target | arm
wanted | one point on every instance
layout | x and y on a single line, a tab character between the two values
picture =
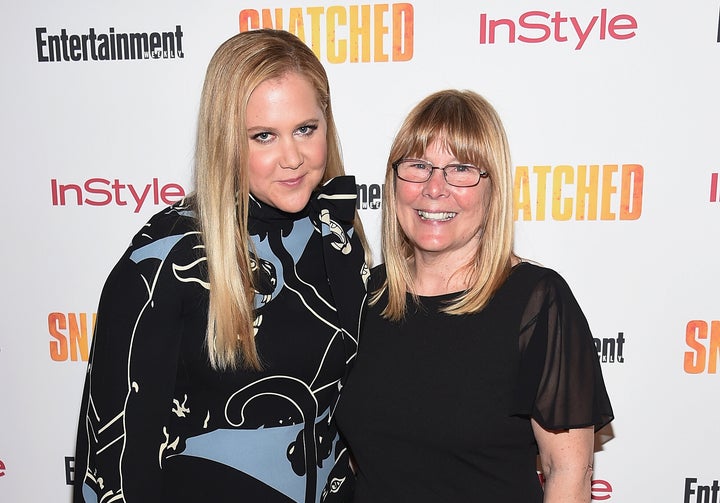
566	457
130	381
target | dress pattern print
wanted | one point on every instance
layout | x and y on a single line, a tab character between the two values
159	424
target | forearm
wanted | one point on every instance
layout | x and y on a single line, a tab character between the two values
568	484
567	458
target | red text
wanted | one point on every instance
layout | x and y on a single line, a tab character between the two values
601	490
102	192
538	26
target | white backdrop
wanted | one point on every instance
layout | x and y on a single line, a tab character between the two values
626	86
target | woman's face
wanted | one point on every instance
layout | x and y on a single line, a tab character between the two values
441	221
287	142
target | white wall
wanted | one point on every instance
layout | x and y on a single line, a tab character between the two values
635	92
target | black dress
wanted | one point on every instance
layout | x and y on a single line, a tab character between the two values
438	407
159	424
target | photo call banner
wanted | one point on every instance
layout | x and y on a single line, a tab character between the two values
611	109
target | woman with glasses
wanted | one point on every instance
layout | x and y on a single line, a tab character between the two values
471	361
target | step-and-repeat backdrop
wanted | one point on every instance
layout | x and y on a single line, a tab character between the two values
612	112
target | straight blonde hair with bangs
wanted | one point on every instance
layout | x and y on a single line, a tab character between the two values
222	187
470	128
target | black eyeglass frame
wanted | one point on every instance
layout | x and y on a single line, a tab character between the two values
482	173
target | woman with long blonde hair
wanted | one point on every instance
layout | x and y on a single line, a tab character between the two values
224	332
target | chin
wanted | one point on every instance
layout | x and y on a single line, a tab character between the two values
292	204
291	209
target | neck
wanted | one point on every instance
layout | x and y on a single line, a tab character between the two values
437	277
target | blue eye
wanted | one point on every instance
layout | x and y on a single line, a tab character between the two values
307	129
263	137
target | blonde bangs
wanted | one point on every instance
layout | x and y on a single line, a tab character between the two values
469	127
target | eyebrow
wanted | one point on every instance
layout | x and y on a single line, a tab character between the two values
310	121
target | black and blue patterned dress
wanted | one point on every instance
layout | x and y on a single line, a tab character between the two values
159	424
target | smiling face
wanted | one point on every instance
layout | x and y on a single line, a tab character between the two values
287	142
442	222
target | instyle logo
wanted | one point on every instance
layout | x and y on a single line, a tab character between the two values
584	192
714	188
703	339
369	196
698	493
536	26
610	349
103	192
600	490
368	33
70	335
110	46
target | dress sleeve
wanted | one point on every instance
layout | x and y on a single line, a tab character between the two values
560	382
340	484
343	254
127	397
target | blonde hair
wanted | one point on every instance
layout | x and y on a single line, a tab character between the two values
222	188
470	128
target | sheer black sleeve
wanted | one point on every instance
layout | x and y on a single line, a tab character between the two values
560	382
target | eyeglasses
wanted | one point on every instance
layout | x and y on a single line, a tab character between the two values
456	174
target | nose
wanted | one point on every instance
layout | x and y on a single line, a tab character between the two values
436	186
291	157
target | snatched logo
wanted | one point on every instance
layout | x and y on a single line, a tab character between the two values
583	192
368	33
703	339
70	334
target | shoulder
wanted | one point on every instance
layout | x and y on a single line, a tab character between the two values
378	274
166	229
545	291
176	219
540	285
535	276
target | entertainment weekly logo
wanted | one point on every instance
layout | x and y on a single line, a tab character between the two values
367	33
701	493
536	26
703	340
97	45
69	463
105	192
610	349
369	196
